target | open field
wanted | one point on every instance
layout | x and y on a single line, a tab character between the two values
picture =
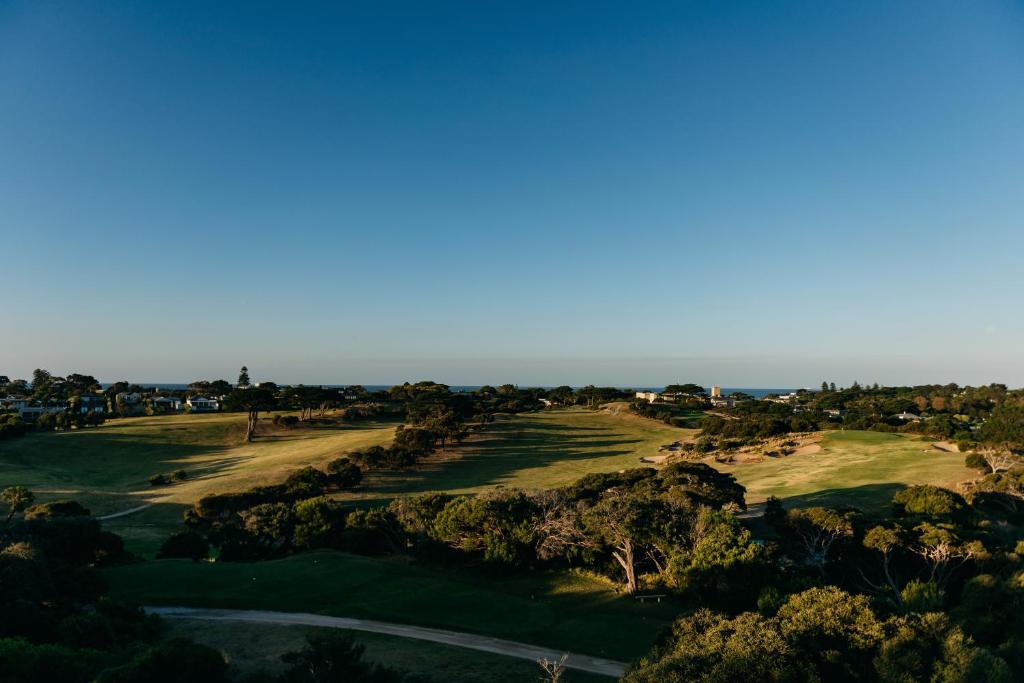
559	610
107	468
862	469
255	647
533	450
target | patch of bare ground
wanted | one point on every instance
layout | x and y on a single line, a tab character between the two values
803	443
946	447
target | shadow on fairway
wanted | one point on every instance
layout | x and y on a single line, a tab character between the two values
503	449
871	499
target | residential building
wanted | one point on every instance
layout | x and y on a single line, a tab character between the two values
201	404
167	404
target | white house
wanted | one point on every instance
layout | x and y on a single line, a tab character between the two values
201	404
908	417
649	396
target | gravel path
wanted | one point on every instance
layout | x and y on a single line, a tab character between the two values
471	641
124	513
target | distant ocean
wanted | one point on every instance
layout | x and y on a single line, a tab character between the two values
755	392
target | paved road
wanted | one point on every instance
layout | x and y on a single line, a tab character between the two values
471	641
124	513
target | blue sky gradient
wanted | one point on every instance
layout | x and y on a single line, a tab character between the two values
744	193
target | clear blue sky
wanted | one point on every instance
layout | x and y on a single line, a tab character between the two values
745	193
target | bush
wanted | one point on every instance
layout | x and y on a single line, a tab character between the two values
344	473
24	662
158	480
922	596
184	544
171	662
179	475
929	501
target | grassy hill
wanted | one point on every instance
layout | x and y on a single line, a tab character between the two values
108	468
556	609
534	450
863	469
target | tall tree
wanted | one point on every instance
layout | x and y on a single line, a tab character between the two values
243	377
251	401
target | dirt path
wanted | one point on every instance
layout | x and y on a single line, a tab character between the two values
471	641
124	513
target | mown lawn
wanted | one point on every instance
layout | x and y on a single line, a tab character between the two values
557	609
251	647
108	468
860	469
533	451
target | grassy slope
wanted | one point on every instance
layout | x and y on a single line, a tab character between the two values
107	468
862	469
537	450
258	647
559	610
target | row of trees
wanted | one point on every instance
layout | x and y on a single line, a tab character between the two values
666	525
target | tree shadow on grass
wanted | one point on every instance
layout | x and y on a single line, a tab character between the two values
502	450
872	499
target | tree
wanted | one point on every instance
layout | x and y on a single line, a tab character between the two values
184	544
553	670
995	459
620	521
17	498
885	540
332	657
243	378
815	531
251	401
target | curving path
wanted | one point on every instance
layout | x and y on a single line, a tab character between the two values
124	513
471	641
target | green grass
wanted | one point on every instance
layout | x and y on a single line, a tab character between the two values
252	647
107	468
862	469
533	451
558	609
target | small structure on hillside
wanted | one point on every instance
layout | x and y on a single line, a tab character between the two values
201	404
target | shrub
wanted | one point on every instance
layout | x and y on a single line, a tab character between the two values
344	473
930	501
175	660
179	475
184	544
158	480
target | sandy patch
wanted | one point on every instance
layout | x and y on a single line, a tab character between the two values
807	449
946	447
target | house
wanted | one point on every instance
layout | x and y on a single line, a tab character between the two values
14	403
907	417
31	413
834	412
166	404
722	402
649	396
201	404
92	404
